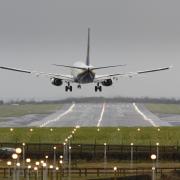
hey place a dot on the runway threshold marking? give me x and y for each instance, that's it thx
(101, 116)
(144, 116)
(59, 117)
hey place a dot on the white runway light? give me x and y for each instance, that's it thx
(101, 116)
(59, 117)
(144, 116)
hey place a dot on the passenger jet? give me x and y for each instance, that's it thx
(84, 73)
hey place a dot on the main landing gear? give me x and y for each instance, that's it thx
(98, 88)
(68, 87)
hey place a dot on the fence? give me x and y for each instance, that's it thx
(84, 172)
(96, 151)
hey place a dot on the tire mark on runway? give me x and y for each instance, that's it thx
(101, 116)
(144, 116)
(59, 117)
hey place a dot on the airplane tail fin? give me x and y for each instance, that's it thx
(88, 49)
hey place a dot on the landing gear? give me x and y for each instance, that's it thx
(98, 88)
(79, 86)
(68, 87)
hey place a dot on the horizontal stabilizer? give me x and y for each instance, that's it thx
(105, 67)
(74, 67)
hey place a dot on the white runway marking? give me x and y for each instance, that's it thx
(144, 116)
(101, 116)
(59, 117)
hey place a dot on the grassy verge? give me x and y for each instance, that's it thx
(21, 110)
(164, 108)
(146, 136)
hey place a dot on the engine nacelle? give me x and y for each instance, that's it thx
(56, 81)
(107, 82)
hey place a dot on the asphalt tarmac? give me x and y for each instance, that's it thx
(101, 115)
(91, 115)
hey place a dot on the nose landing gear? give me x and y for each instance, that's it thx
(79, 86)
(98, 88)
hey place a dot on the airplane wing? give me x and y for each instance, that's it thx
(68, 78)
(101, 78)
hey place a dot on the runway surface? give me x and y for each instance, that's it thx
(91, 115)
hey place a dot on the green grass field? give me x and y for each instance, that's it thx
(21, 110)
(164, 108)
(146, 136)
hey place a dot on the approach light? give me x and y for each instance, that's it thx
(9, 163)
(28, 160)
(18, 150)
(14, 156)
(153, 156)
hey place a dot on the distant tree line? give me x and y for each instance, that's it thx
(99, 100)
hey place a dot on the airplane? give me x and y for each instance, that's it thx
(85, 73)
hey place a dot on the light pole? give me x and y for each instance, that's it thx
(14, 156)
(46, 157)
(36, 172)
(132, 148)
(28, 171)
(51, 168)
(115, 171)
(44, 166)
(105, 157)
(9, 163)
(54, 159)
(57, 169)
(65, 151)
(23, 154)
(157, 154)
(54, 163)
(28, 160)
(37, 163)
(153, 173)
(153, 157)
(61, 168)
(69, 163)
(18, 151)
(18, 167)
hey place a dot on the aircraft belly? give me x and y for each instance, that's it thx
(85, 77)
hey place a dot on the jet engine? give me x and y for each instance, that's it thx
(107, 82)
(56, 81)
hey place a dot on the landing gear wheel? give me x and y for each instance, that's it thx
(68, 88)
(98, 88)
(79, 86)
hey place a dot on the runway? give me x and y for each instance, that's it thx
(91, 115)
(101, 115)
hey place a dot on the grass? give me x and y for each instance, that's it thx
(146, 136)
(21, 110)
(164, 108)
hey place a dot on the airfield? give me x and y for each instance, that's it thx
(93, 138)
(92, 115)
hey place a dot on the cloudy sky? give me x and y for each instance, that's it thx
(140, 33)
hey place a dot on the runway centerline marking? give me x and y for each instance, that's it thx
(101, 116)
(144, 116)
(59, 117)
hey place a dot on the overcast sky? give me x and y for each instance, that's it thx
(140, 33)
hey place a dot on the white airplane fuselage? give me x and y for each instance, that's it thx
(84, 75)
